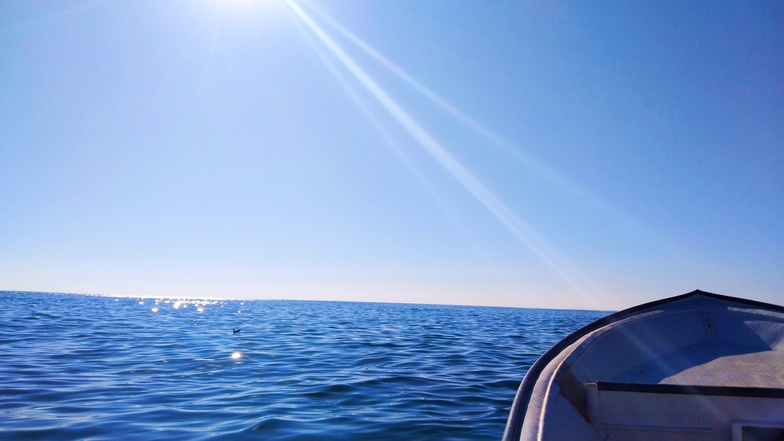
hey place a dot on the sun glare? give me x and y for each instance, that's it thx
(240, 7)
(239, 3)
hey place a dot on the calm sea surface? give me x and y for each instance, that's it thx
(87, 367)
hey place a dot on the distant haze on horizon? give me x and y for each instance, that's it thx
(578, 155)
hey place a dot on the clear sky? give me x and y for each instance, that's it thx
(538, 154)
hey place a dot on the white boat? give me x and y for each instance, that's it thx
(699, 366)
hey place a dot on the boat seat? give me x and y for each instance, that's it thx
(644, 412)
(678, 389)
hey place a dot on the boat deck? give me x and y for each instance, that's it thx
(713, 364)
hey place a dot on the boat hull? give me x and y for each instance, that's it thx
(694, 367)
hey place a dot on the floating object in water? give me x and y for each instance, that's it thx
(692, 367)
(235, 331)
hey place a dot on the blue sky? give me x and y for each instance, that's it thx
(537, 154)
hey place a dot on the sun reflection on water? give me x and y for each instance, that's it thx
(200, 305)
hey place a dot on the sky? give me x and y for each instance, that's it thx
(579, 155)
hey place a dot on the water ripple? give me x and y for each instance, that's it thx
(76, 367)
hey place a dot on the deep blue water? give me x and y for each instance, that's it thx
(89, 367)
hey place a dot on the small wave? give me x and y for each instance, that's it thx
(82, 367)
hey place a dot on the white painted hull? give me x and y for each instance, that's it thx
(694, 367)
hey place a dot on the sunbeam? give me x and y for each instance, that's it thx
(388, 138)
(533, 164)
(523, 231)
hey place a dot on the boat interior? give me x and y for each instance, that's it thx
(703, 369)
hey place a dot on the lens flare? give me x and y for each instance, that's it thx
(521, 229)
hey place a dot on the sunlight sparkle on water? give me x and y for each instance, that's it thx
(236, 355)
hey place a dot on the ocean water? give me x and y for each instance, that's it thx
(90, 367)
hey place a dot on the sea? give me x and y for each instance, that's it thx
(98, 368)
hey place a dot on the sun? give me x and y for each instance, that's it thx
(239, 12)
(239, 3)
(239, 6)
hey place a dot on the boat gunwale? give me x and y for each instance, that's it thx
(522, 398)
